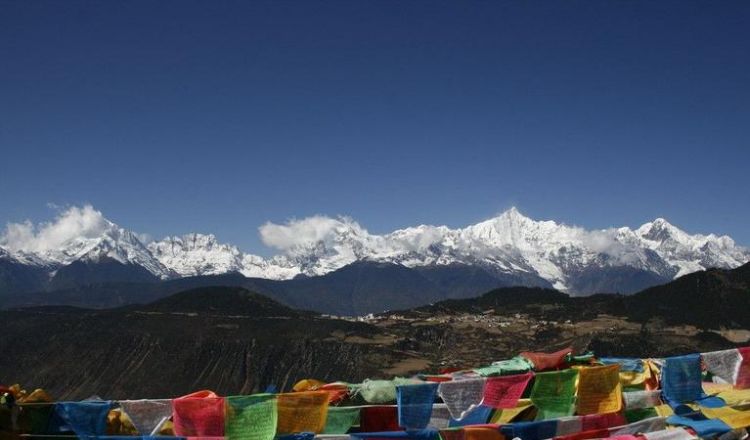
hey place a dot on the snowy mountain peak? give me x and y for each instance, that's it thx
(124, 246)
(660, 230)
(511, 228)
(197, 254)
(78, 234)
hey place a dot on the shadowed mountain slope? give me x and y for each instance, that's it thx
(226, 339)
(235, 341)
(713, 298)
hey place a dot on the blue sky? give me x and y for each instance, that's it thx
(179, 116)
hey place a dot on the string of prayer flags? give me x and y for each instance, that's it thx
(415, 404)
(251, 417)
(599, 390)
(614, 399)
(302, 412)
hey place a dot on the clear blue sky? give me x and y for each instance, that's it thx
(178, 116)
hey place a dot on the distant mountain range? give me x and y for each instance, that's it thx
(354, 271)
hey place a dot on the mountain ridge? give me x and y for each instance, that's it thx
(510, 247)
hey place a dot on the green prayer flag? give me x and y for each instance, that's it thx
(381, 391)
(340, 419)
(554, 394)
(634, 415)
(35, 418)
(251, 417)
(517, 365)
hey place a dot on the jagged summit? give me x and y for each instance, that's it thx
(197, 254)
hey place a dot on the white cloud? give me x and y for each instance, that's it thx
(144, 237)
(418, 239)
(606, 242)
(306, 232)
(71, 224)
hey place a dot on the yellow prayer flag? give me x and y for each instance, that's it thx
(736, 419)
(501, 417)
(599, 390)
(302, 412)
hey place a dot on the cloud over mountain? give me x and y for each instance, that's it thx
(70, 224)
(305, 232)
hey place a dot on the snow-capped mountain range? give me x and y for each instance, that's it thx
(509, 244)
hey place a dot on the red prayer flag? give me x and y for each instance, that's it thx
(197, 416)
(602, 421)
(504, 391)
(379, 419)
(743, 375)
(547, 361)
